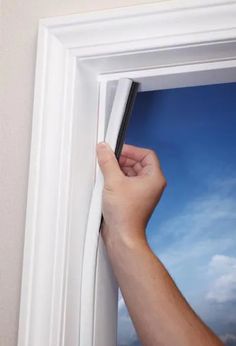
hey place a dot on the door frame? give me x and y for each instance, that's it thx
(66, 300)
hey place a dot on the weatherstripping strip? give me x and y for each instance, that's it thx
(126, 118)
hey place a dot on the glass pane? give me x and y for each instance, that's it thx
(193, 230)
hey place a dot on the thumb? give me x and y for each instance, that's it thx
(107, 161)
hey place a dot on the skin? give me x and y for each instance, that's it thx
(132, 189)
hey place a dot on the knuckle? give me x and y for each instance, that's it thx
(152, 152)
(105, 160)
(161, 182)
(154, 158)
(108, 188)
(113, 183)
(164, 183)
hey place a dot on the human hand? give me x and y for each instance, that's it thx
(132, 188)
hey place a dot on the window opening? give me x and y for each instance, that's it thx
(193, 229)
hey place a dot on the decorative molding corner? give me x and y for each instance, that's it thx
(80, 58)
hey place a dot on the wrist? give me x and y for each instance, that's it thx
(125, 236)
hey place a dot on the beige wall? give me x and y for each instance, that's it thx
(19, 20)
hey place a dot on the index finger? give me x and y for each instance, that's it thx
(143, 155)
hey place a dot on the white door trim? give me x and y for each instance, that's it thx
(79, 60)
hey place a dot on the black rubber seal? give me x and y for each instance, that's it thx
(126, 118)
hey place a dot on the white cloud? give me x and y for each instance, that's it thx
(200, 215)
(221, 264)
(126, 332)
(229, 339)
(121, 302)
(223, 272)
(206, 226)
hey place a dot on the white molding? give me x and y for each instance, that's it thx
(80, 58)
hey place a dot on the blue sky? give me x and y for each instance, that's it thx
(193, 229)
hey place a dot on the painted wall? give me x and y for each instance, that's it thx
(19, 21)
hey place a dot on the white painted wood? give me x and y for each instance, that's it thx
(94, 218)
(105, 313)
(80, 59)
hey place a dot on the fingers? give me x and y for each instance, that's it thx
(134, 153)
(133, 161)
(129, 171)
(131, 155)
(107, 162)
(126, 161)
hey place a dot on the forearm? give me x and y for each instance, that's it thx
(160, 313)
